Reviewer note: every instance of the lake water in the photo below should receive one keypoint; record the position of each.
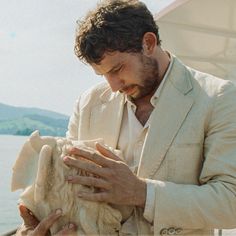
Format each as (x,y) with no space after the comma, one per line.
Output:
(9,149)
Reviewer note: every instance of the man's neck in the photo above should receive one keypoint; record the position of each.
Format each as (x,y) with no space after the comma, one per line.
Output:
(144,106)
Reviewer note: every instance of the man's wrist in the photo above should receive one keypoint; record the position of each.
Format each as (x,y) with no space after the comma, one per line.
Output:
(140,193)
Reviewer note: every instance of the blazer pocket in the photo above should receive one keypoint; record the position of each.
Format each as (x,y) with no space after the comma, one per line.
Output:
(184,163)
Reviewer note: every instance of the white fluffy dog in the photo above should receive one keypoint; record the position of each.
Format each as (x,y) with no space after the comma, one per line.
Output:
(41,172)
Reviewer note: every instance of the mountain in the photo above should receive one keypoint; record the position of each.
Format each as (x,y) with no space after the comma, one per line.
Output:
(23,121)
(12,112)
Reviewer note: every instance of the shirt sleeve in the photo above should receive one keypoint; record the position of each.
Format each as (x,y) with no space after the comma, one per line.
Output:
(150,201)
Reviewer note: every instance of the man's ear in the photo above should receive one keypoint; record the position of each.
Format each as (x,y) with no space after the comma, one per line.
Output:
(149,43)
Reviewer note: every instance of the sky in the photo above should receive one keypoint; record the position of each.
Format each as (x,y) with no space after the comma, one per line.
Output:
(38,67)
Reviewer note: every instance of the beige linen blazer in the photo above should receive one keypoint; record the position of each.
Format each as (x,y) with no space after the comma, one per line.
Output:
(189,151)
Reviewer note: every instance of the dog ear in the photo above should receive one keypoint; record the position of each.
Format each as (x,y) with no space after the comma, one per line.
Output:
(38,141)
(42,178)
(25,167)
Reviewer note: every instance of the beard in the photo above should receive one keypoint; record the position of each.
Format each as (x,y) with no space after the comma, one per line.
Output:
(149,78)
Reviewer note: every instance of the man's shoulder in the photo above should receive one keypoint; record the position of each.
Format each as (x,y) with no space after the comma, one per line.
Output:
(209,83)
(97,94)
(186,78)
(98,89)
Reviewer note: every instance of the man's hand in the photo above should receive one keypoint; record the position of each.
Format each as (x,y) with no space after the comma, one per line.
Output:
(116,182)
(33,227)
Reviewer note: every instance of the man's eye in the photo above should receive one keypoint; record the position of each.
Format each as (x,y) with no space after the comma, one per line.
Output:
(117,70)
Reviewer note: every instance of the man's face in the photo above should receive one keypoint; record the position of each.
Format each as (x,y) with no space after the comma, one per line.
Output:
(131,73)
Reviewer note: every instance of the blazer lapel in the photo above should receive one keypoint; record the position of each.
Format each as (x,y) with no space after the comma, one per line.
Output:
(167,118)
(106,117)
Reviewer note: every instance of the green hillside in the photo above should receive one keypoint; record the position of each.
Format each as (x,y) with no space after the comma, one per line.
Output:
(13,112)
(21,121)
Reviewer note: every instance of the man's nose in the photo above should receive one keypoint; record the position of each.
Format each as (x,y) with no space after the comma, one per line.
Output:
(115,82)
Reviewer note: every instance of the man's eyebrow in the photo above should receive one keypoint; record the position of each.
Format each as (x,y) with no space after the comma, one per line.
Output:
(112,69)
(115,67)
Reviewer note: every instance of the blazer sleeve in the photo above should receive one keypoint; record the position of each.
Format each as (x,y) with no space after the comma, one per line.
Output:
(73,126)
(213,203)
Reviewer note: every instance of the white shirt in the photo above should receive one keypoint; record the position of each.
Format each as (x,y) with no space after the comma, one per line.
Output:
(131,140)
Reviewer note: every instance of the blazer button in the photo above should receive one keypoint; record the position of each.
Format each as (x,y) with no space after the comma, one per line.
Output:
(171,231)
(178,230)
(152,229)
(164,231)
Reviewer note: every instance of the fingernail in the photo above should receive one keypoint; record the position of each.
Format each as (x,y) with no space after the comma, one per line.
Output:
(69,178)
(69,150)
(72,150)
(65,158)
(31,213)
(104,145)
(58,211)
(26,210)
(71,226)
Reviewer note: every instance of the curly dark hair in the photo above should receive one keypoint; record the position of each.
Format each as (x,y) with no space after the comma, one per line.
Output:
(115,25)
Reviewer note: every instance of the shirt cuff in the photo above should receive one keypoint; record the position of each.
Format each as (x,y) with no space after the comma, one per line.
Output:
(150,201)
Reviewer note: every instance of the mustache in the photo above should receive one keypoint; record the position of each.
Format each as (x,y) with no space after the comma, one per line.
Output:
(126,88)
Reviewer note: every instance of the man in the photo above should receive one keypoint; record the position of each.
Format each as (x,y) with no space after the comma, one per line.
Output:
(175,126)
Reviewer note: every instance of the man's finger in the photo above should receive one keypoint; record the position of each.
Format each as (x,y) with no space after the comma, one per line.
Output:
(98,197)
(91,155)
(89,181)
(69,229)
(47,222)
(106,152)
(28,217)
(86,166)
